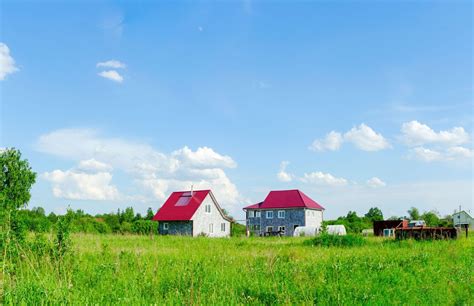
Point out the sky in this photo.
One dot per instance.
(356, 103)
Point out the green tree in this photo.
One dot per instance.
(16, 180)
(149, 214)
(414, 213)
(431, 218)
(128, 215)
(374, 214)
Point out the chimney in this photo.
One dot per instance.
(191, 190)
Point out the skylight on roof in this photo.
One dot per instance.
(184, 199)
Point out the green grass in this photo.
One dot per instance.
(115, 269)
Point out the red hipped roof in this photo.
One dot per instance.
(172, 212)
(286, 199)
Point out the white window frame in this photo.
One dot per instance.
(207, 208)
(211, 228)
(222, 227)
(283, 229)
(281, 214)
(269, 214)
(267, 229)
(251, 213)
(165, 226)
(258, 214)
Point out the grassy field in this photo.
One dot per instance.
(115, 269)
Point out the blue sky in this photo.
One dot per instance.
(358, 104)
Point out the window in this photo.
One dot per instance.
(222, 227)
(251, 213)
(258, 214)
(270, 214)
(165, 226)
(269, 229)
(281, 229)
(257, 227)
(184, 199)
(307, 213)
(211, 228)
(281, 214)
(207, 208)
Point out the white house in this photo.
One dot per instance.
(192, 213)
(463, 219)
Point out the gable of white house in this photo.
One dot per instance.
(208, 219)
(313, 217)
(462, 218)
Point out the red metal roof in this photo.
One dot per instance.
(179, 208)
(286, 199)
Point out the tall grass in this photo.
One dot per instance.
(115, 269)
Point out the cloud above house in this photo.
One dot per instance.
(7, 63)
(415, 133)
(430, 146)
(320, 178)
(152, 173)
(112, 75)
(111, 64)
(283, 175)
(362, 137)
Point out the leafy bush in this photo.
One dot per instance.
(327, 240)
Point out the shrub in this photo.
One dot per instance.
(327, 240)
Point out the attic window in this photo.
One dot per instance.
(184, 199)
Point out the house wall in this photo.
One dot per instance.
(184, 228)
(462, 218)
(292, 217)
(202, 220)
(313, 217)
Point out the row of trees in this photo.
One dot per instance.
(123, 221)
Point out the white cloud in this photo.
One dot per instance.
(7, 63)
(154, 173)
(93, 165)
(459, 152)
(320, 178)
(332, 142)
(111, 75)
(415, 133)
(450, 154)
(112, 64)
(203, 157)
(375, 182)
(366, 139)
(75, 185)
(282, 175)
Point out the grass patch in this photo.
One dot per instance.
(327, 240)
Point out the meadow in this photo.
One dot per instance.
(133, 269)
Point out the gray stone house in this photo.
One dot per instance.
(283, 211)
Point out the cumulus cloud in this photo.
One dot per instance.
(320, 178)
(415, 133)
(332, 142)
(363, 137)
(282, 175)
(449, 154)
(366, 139)
(93, 165)
(154, 173)
(375, 182)
(203, 157)
(7, 63)
(112, 64)
(112, 75)
(76, 185)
